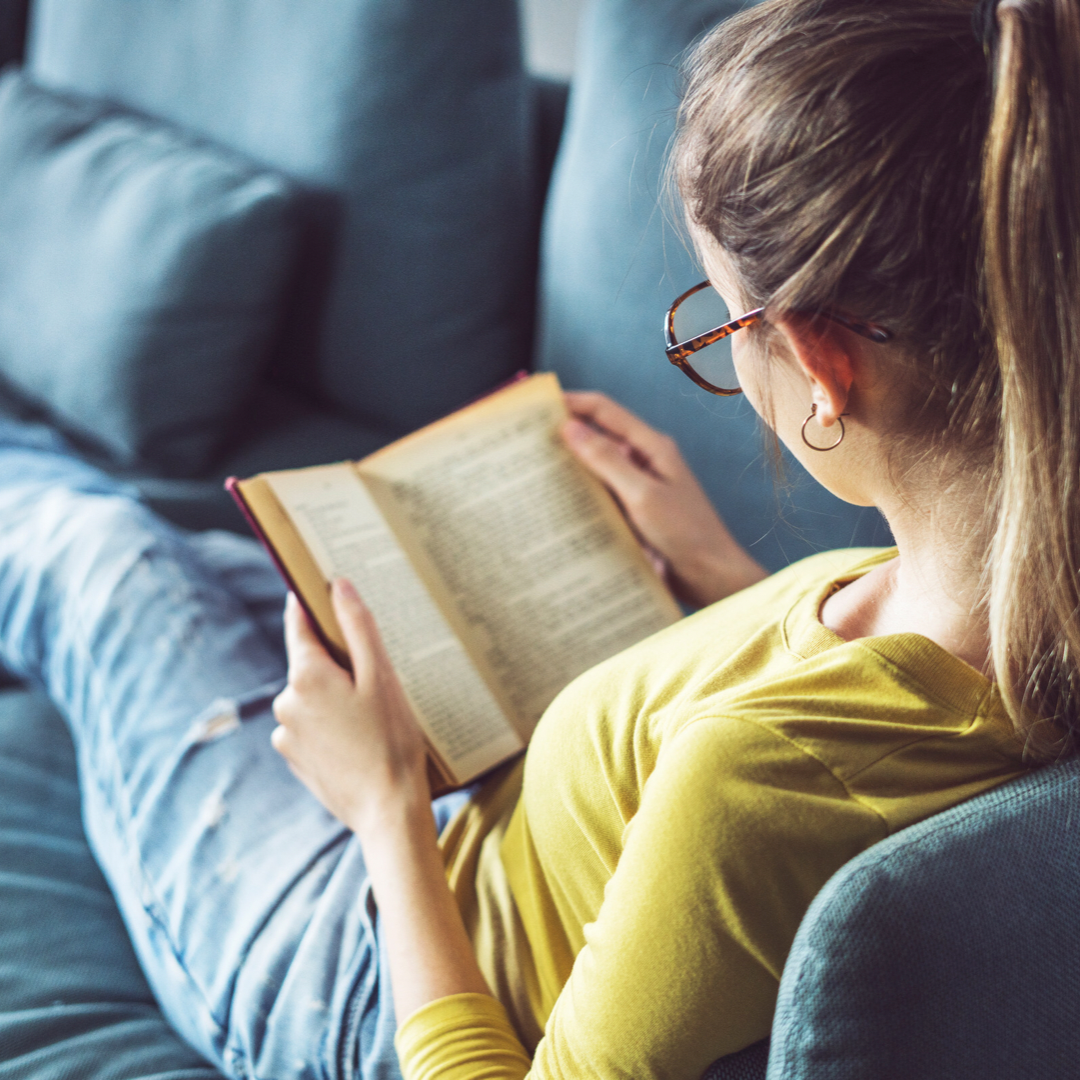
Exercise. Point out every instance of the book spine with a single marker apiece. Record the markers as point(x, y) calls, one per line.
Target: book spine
point(232, 486)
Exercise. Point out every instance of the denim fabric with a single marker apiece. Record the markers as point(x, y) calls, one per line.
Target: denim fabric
point(947, 952)
point(248, 905)
point(614, 258)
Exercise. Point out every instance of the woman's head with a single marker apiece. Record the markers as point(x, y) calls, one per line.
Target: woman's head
point(832, 150)
point(883, 158)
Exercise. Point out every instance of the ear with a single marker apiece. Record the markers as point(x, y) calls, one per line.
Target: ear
point(821, 349)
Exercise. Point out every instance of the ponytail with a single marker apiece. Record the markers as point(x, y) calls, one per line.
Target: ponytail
point(1031, 206)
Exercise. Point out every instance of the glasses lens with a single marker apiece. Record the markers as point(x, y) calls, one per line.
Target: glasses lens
point(698, 314)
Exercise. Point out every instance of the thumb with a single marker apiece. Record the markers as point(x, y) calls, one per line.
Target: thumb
point(607, 458)
point(358, 626)
point(303, 647)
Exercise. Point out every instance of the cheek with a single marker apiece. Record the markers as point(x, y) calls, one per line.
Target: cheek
point(750, 361)
point(774, 387)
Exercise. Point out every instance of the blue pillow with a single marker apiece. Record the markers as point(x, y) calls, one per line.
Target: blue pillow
point(613, 261)
point(140, 271)
point(413, 115)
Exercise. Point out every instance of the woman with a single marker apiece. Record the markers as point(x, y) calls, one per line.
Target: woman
point(890, 198)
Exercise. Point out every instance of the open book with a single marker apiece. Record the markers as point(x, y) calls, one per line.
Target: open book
point(496, 567)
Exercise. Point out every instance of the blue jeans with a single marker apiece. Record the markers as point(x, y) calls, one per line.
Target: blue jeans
point(248, 904)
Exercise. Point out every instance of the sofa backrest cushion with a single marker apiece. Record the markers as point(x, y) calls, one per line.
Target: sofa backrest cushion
point(950, 951)
point(414, 113)
point(613, 260)
point(140, 272)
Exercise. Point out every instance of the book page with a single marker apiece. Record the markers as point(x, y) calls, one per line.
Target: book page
point(348, 537)
point(528, 553)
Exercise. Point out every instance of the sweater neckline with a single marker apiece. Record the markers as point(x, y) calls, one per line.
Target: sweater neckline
point(946, 677)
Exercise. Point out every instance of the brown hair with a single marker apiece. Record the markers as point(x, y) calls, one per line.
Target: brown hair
point(875, 156)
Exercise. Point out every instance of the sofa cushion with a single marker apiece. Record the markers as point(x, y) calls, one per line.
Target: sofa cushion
point(12, 30)
point(614, 259)
point(280, 431)
point(748, 1064)
point(413, 113)
point(139, 274)
point(73, 1002)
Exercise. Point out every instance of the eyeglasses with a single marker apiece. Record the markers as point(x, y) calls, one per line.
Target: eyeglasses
point(699, 324)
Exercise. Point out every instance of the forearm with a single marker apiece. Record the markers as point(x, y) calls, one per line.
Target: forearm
point(354, 741)
point(430, 953)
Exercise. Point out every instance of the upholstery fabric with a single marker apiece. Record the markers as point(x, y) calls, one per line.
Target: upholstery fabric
point(277, 429)
point(281, 431)
point(948, 952)
point(73, 1002)
point(139, 274)
point(748, 1064)
point(12, 30)
point(413, 115)
point(614, 259)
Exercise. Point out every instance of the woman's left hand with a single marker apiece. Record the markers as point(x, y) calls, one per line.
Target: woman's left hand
point(352, 739)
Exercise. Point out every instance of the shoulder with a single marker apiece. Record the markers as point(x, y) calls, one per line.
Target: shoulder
point(730, 774)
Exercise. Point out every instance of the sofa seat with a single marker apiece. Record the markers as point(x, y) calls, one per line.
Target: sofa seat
point(73, 1002)
point(277, 430)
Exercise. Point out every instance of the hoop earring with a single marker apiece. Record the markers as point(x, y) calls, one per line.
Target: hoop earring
point(821, 449)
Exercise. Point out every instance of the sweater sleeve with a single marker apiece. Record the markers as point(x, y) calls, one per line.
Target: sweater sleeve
point(466, 1035)
point(737, 830)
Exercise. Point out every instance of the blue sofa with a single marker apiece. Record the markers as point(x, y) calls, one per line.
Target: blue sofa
point(400, 157)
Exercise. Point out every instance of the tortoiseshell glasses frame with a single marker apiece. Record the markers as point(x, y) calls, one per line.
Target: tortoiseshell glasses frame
point(678, 352)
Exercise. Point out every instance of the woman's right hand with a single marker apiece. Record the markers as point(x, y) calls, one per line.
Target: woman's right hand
point(662, 499)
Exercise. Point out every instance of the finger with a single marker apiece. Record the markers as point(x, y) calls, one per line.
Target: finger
point(600, 410)
point(279, 740)
point(358, 625)
point(281, 706)
point(606, 457)
point(285, 745)
point(302, 645)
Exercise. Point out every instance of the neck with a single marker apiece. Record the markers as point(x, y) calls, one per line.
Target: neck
point(936, 587)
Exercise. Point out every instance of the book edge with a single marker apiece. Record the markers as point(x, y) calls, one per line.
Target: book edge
point(232, 486)
point(441, 777)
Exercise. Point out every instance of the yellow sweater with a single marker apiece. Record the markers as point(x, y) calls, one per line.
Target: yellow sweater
point(633, 890)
